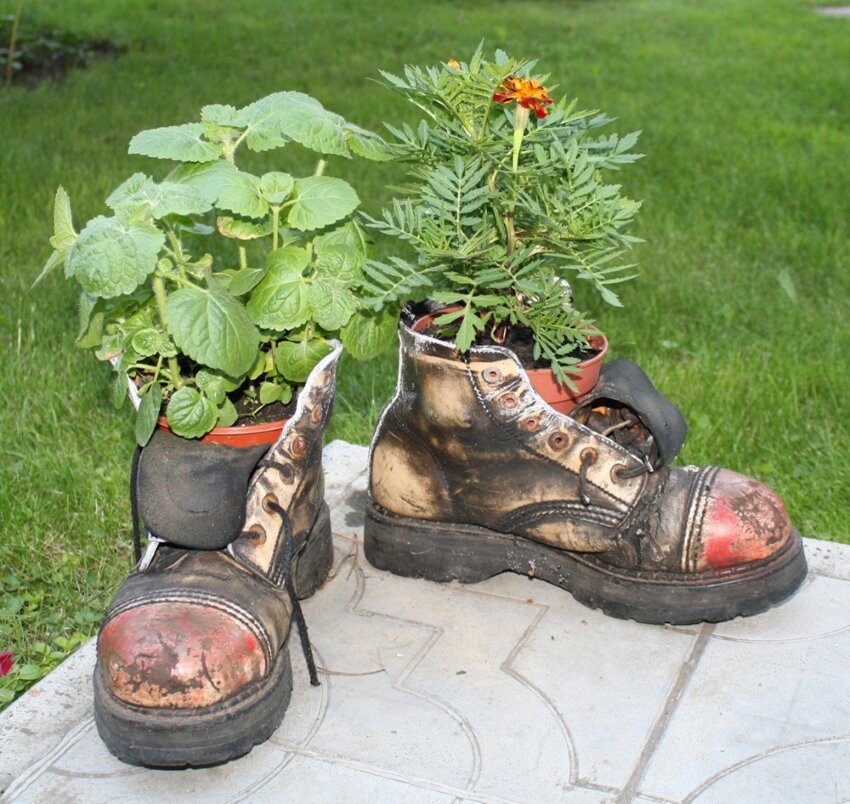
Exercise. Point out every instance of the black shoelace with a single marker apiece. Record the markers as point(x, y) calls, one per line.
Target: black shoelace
point(289, 584)
point(288, 556)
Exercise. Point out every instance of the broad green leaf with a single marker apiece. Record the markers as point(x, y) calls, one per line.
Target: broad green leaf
point(225, 185)
point(91, 320)
point(321, 201)
point(316, 129)
point(295, 361)
point(238, 229)
point(349, 235)
point(219, 114)
point(271, 392)
point(367, 333)
point(120, 390)
point(262, 119)
point(227, 414)
point(212, 328)
point(190, 414)
point(127, 188)
point(366, 143)
point(113, 257)
point(215, 385)
point(340, 263)
point(276, 187)
point(63, 234)
point(239, 192)
point(280, 301)
point(168, 198)
point(148, 413)
point(150, 341)
point(332, 302)
point(63, 227)
point(209, 177)
point(182, 143)
point(245, 280)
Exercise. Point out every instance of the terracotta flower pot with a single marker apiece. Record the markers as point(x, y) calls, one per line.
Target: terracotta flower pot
point(249, 435)
point(557, 395)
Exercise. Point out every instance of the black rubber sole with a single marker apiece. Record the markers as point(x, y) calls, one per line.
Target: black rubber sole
point(468, 553)
point(174, 738)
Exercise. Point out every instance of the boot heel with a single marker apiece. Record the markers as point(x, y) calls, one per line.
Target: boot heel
point(315, 560)
point(438, 551)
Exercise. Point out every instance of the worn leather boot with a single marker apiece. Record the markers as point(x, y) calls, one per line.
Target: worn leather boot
point(192, 658)
point(472, 474)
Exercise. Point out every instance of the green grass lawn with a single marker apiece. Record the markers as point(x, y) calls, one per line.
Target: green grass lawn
point(740, 315)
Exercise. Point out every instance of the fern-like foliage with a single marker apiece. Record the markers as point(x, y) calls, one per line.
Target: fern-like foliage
point(504, 209)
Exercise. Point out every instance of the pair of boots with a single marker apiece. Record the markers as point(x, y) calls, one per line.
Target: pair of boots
point(471, 474)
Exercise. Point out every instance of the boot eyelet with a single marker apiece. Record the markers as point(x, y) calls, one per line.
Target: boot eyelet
point(491, 375)
point(268, 501)
point(559, 441)
point(531, 424)
point(616, 472)
point(588, 454)
point(298, 446)
point(316, 414)
point(256, 535)
point(509, 401)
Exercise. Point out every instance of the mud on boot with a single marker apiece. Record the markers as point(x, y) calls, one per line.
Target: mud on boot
point(193, 664)
point(472, 474)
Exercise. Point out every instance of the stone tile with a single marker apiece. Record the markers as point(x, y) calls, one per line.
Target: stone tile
point(505, 691)
point(828, 558)
point(40, 719)
point(607, 679)
point(766, 687)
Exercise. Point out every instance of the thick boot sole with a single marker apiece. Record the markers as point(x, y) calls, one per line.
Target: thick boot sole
point(467, 553)
point(179, 738)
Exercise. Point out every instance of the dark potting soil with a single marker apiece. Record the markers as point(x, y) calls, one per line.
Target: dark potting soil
point(273, 412)
point(519, 340)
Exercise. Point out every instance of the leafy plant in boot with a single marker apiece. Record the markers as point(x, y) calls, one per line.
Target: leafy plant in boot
point(507, 204)
point(216, 284)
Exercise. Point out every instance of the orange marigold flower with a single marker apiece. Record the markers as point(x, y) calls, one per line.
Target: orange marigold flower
point(527, 92)
point(453, 63)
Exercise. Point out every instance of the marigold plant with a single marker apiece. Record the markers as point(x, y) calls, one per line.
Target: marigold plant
point(504, 209)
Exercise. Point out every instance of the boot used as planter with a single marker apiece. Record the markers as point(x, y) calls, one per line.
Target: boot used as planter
point(193, 661)
point(556, 394)
point(472, 474)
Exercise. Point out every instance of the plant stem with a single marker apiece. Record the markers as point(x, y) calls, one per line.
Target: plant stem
point(520, 122)
point(320, 167)
point(13, 38)
point(275, 226)
point(243, 258)
point(159, 293)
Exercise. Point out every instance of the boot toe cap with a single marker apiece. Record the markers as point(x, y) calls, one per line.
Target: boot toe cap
point(178, 655)
point(741, 521)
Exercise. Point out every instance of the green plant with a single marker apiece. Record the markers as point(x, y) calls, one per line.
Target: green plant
point(217, 287)
point(504, 207)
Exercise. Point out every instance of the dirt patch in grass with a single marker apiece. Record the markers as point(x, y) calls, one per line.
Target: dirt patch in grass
point(45, 54)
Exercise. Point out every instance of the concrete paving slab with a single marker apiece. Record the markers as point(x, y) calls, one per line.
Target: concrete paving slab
point(503, 691)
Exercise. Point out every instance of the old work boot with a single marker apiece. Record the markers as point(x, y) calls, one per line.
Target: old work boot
point(472, 474)
point(192, 658)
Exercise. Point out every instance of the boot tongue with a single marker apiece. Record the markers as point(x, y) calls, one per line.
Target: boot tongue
point(193, 494)
point(626, 407)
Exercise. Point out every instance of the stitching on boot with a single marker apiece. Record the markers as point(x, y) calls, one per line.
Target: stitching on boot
point(693, 522)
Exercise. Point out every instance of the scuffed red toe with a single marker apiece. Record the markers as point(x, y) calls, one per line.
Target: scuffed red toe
point(178, 655)
point(741, 521)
